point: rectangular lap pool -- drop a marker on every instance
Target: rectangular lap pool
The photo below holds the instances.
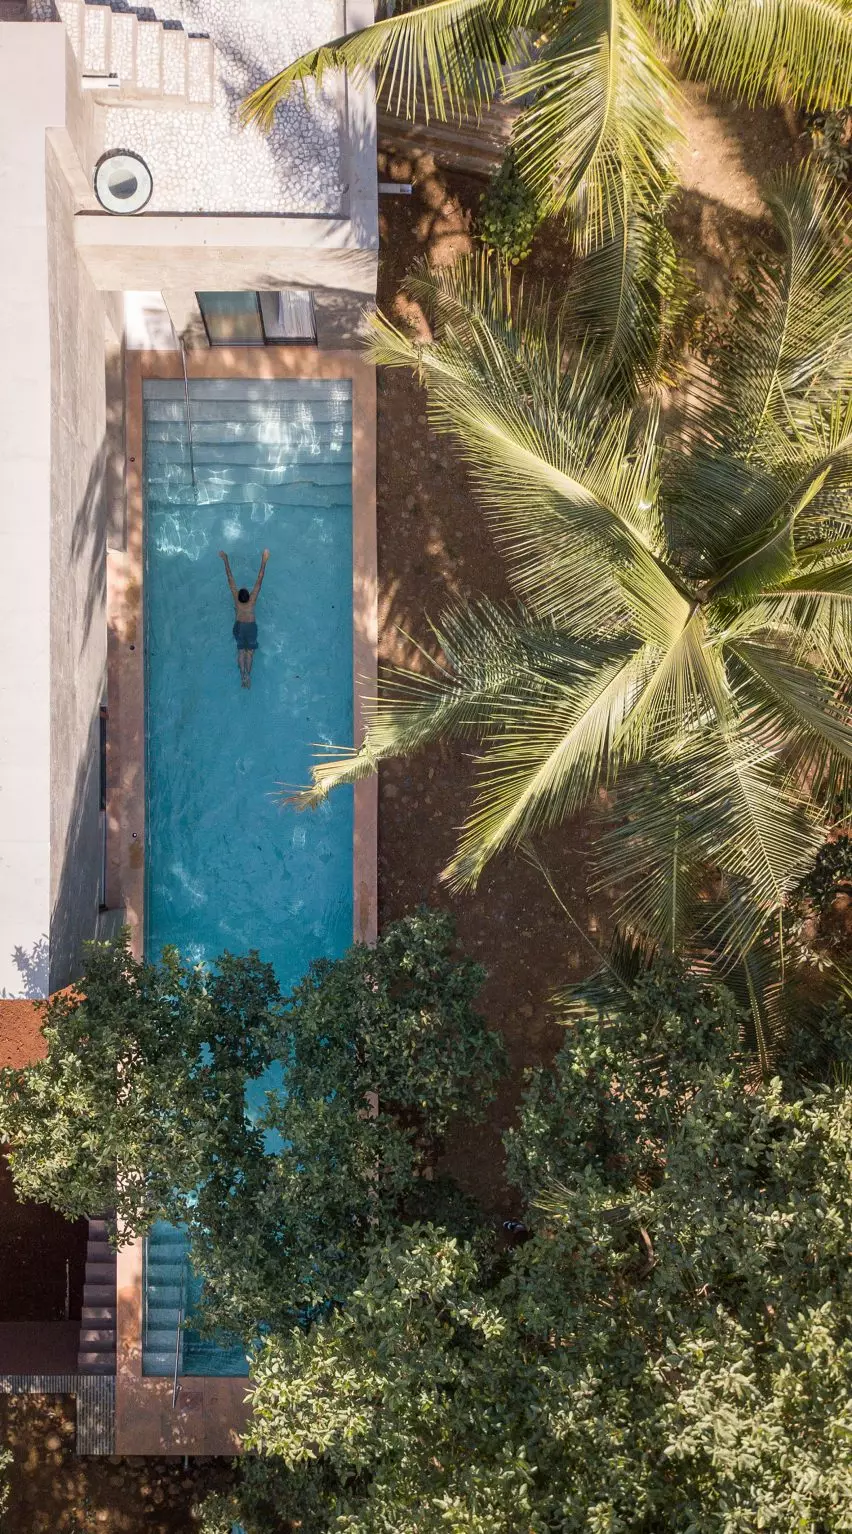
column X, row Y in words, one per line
column 226, row 866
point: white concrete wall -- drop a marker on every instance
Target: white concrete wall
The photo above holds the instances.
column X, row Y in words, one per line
column 77, row 583
column 32, row 94
column 52, row 623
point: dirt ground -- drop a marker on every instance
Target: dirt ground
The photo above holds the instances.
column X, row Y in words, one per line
column 54, row 1492
column 434, row 547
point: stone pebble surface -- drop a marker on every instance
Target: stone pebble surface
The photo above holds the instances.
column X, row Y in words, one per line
column 203, row 160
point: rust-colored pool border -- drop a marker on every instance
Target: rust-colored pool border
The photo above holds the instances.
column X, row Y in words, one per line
column 210, row 1413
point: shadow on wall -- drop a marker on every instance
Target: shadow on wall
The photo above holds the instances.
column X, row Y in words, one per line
column 75, row 908
column 88, row 544
column 76, row 846
column 33, row 966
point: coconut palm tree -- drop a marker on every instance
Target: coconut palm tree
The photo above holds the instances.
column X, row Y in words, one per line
column 682, row 631
column 598, row 131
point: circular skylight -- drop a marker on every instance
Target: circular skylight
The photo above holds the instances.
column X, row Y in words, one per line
column 123, row 182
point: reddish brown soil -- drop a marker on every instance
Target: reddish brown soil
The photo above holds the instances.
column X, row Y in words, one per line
column 54, row 1492
column 20, row 1033
column 434, row 547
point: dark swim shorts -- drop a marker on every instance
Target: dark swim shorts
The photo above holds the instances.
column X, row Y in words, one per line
column 245, row 635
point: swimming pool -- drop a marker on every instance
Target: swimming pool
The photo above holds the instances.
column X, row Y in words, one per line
column 227, row 867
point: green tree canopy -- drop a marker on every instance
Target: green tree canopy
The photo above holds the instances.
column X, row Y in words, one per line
column 382, row 1050
column 142, row 1089
column 140, row 1108
column 671, row 1350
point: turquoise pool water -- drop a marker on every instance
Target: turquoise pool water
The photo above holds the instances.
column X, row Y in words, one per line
column 227, row 867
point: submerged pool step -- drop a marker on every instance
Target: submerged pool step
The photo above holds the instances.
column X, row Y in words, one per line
column 166, row 1287
column 224, row 434
column 254, row 454
column 166, row 1268
column 261, row 391
column 162, row 1338
column 159, row 1361
column 301, row 412
column 293, row 477
column 175, row 502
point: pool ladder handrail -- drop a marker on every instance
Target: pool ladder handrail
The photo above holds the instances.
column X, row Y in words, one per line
column 179, row 1339
column 182, row 349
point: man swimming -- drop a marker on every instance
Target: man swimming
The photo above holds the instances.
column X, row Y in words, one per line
column 245, row 625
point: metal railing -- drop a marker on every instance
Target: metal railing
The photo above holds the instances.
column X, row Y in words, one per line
column 187, row 407
column 180, row 1335
column 182, row 350
column 145, row 1295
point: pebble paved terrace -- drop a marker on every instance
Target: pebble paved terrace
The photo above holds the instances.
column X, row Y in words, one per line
column 205, row 161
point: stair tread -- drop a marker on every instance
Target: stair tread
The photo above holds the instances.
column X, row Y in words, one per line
column 174, row 61
column 96, row 38
column 101, row 1274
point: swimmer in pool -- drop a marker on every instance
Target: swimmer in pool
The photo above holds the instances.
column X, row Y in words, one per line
column 245, row 624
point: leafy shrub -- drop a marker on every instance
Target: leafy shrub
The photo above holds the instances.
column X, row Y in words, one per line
column 628, row 1075
column 671, row 1350
column 138, row 1053
column 391, row 1026
column 509, row 214
column 831, row 871
column 140, row 1107
column 831, row 140
column 5, row 1463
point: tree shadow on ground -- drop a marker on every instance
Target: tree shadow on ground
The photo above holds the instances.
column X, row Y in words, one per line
column 434, row 546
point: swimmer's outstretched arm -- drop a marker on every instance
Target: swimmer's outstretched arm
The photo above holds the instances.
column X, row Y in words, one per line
column 231, row 582
column 260, row 574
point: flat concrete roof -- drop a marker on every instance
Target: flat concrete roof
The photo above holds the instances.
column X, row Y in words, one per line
column 205, row 160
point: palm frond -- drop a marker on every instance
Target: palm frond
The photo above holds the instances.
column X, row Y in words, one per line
column 442, row 60
column 486, row 656
column 622, row 301
column 812, row 610
column 757, row 984
column 797, row 713
column 549, row 754
column 610, row 988
column 599, row 134
column 792, row 344
column 770, row 556
column 738, row 821
column 770, row 50
column 648, row 862
column 568, row 483
column 686, row 686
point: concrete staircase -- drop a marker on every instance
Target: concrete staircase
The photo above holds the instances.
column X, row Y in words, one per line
column 165, row 1282
column 142, row 60
column 97, row 1332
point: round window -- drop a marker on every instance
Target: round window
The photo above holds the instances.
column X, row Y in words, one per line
column 123, row 182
